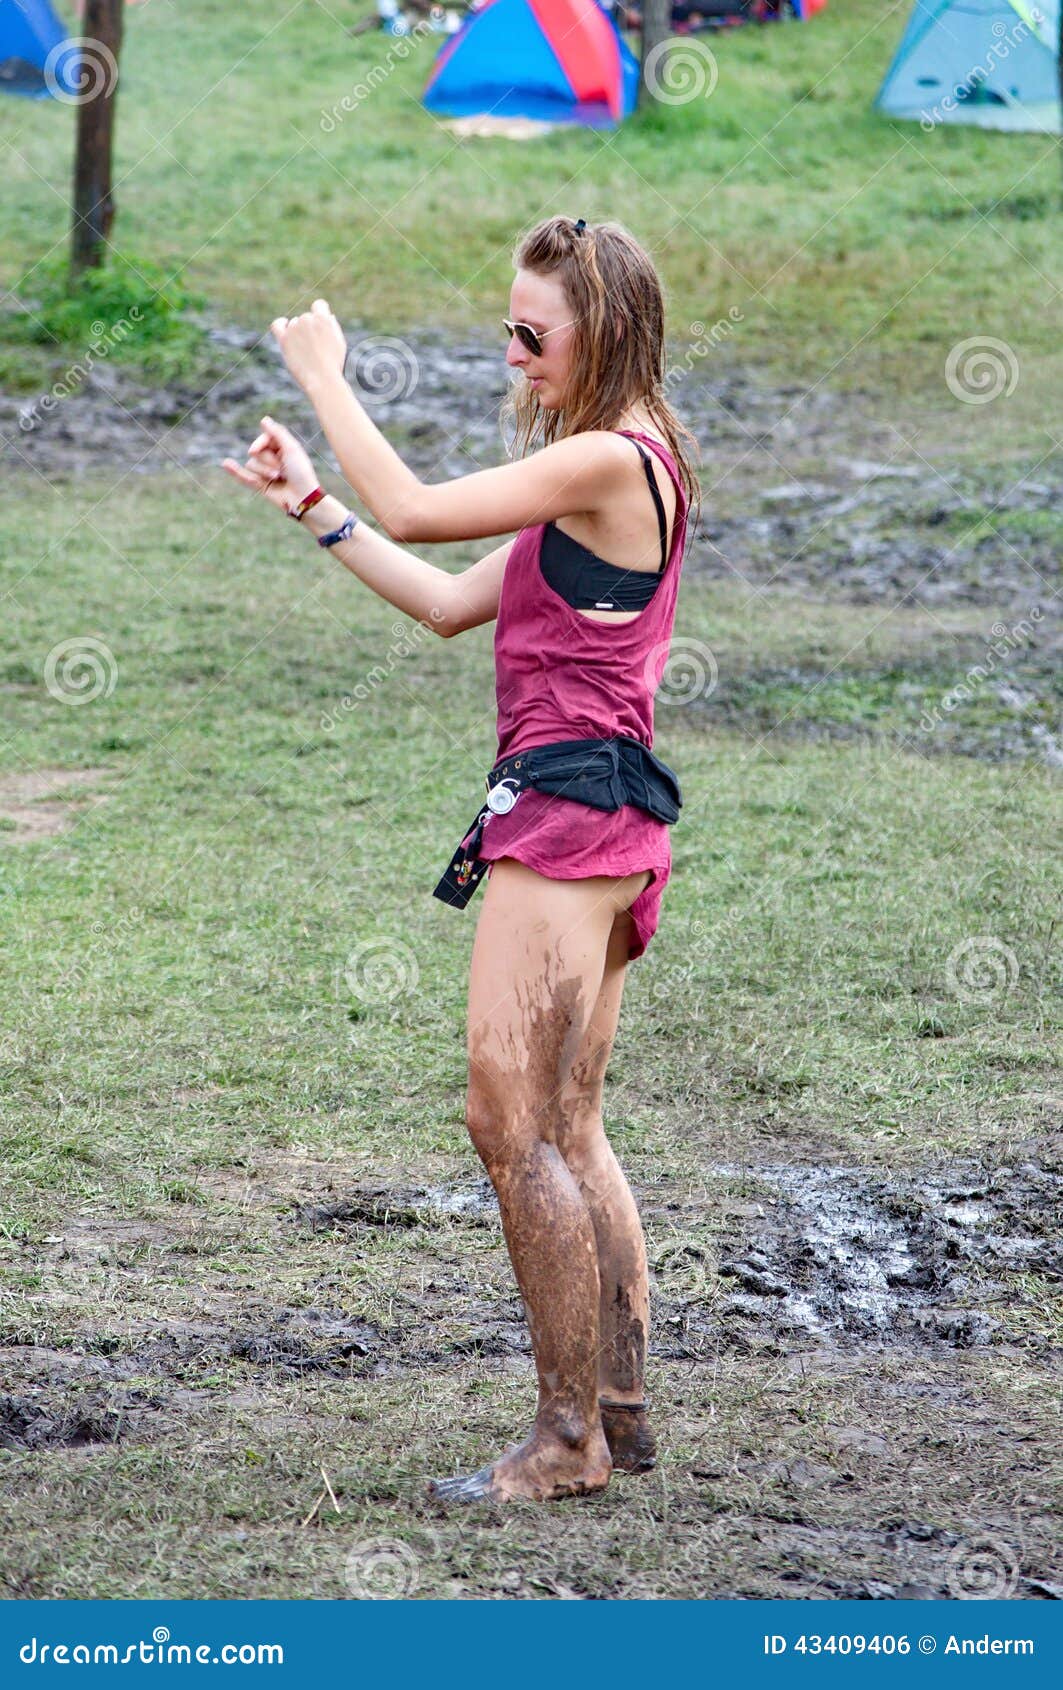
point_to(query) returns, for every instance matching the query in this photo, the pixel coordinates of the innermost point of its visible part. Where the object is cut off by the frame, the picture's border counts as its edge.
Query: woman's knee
(498, 1133)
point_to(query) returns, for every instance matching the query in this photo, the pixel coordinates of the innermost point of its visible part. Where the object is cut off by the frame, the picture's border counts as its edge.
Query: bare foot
(632, 1445)
(542, 1469)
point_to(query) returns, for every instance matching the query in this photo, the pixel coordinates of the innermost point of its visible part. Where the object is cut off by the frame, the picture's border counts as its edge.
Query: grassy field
(858, 251)
(246, 1251)
(233, 1045)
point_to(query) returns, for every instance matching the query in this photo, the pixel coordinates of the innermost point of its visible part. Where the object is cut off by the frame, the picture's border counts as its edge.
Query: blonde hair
(617, 301)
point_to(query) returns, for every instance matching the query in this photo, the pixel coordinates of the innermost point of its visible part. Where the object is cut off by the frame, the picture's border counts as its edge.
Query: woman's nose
(516, 354)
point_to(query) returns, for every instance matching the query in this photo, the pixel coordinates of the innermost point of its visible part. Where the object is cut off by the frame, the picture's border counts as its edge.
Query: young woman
(584, 598)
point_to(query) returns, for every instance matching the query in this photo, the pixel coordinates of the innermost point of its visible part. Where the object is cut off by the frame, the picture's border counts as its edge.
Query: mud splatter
(405, 1206)
(26, 1423)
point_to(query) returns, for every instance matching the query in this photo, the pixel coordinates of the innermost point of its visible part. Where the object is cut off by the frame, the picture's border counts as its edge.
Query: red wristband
(308, 503)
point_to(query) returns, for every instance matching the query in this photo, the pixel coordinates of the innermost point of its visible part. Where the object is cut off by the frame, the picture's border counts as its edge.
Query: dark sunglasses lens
(527, 337)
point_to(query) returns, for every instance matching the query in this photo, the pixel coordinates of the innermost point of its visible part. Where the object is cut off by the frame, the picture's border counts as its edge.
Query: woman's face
(540, 301)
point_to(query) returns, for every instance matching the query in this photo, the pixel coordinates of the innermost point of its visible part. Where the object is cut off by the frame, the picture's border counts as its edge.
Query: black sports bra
(585, 581)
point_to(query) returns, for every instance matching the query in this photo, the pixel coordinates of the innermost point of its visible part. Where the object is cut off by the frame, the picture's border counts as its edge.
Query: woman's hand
(313, 345)
(277, 466)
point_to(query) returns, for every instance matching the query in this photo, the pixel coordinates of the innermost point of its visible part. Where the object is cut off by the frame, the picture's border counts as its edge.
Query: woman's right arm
(279, 468)
(448, 604)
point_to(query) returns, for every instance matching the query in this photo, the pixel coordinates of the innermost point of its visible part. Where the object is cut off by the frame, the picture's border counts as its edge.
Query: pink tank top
(562, 675)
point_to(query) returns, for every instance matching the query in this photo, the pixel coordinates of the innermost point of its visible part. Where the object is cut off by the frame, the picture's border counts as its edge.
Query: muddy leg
(538, 961)
(622, 1268)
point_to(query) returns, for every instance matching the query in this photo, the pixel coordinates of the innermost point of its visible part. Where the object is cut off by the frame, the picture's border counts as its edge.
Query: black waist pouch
(602, 773)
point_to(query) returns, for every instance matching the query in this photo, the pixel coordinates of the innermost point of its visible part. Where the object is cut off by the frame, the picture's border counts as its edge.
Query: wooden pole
(656, 28)
(98, 85)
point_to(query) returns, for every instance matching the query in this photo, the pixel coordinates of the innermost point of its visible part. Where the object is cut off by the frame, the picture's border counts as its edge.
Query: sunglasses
(532, 339)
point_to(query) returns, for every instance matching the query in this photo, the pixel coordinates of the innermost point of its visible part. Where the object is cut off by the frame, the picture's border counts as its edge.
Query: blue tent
(29, 31)
(989, 62)
(557, 60)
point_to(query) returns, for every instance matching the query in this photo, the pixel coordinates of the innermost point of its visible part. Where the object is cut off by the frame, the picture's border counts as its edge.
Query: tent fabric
(559, 61)
(987, 62)
(29, 31)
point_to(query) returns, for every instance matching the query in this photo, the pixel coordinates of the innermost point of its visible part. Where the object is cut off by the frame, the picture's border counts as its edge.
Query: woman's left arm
(577, 474)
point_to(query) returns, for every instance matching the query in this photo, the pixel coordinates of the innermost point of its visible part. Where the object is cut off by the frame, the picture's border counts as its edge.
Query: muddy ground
(810, 494)
(853, 1367)
(836, 1358)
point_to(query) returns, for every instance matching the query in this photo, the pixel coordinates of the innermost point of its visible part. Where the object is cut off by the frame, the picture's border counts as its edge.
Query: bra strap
(662, 520)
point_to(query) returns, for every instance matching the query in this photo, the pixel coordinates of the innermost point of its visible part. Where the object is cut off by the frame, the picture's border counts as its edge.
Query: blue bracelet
(344, 533)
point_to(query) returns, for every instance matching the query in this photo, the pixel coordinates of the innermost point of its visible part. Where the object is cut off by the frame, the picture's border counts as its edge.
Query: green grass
(858, 250)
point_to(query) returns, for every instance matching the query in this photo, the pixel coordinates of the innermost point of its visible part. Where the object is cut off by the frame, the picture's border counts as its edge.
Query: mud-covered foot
(632, 1445)
(542, 1469)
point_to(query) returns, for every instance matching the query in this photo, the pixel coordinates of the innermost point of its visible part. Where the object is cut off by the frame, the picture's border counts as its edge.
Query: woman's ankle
(571, 1429)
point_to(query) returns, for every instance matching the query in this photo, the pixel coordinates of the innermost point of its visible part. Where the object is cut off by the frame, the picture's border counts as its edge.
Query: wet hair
(617, 301)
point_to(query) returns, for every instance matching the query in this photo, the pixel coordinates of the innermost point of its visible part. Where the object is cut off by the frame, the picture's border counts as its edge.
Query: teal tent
(989, 62)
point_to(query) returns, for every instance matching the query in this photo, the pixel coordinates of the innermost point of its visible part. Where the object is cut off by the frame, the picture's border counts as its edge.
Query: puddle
(847, 1254)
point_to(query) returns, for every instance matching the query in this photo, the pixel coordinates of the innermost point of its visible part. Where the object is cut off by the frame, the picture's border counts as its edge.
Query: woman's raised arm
(576, 474)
